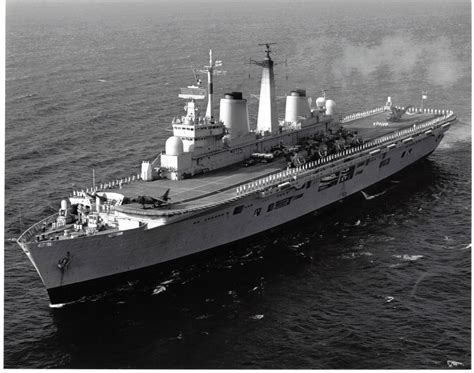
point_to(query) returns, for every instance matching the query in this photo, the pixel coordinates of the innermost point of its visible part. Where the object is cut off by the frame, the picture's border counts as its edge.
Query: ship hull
(81, 290)
(94, 262)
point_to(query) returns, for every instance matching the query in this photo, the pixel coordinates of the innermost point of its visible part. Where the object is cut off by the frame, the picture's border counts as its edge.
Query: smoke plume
(401, 55)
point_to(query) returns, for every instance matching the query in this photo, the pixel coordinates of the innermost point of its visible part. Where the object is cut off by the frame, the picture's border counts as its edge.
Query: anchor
(64, 262)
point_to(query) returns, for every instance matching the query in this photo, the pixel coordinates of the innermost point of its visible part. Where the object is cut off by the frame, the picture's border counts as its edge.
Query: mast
(93, 179)
(424, 96)
(210, 70)
(267, 110)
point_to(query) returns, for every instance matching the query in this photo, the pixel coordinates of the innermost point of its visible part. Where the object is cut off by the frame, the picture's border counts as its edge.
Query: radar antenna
(267, 51)
(196, 77)
(266, 62)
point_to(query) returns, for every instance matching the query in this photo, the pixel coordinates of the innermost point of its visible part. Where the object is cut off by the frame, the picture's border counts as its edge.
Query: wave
(459, 132)
(410, 258)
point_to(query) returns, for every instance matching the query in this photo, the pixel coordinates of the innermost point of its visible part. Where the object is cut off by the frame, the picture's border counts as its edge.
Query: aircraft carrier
(217, 181)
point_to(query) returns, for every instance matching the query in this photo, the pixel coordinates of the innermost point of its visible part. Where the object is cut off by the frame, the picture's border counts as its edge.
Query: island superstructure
(217, 181)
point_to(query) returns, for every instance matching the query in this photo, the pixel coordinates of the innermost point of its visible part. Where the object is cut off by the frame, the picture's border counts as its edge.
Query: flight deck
(219, 185)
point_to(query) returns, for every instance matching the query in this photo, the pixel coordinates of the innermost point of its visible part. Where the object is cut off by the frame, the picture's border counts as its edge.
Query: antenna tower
(211, 70)
(267, 111)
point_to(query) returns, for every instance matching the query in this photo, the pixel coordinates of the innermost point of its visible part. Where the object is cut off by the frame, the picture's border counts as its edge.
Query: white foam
(407, 257)
(411, 257)
(203, 317)
(460, 132)
(298, 245)
(159, 289)
(454, 364)
(167, 282)
(368, 196)
(355, 255)
(57, 305)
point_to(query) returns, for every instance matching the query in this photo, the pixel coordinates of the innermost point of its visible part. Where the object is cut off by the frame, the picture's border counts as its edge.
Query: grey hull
(107, 255)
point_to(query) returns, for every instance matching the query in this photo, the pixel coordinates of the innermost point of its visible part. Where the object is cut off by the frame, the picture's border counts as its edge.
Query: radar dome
(320, 102)
(226, 140)
(330, 107)
(174, 146)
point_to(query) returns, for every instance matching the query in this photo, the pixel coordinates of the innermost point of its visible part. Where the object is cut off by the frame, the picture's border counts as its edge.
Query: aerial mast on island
(211, 70)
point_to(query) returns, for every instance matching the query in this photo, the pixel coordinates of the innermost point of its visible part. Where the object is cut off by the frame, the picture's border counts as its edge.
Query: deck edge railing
(26, 235)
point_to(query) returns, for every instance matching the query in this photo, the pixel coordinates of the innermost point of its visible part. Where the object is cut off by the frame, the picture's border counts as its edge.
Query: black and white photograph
(237, 184)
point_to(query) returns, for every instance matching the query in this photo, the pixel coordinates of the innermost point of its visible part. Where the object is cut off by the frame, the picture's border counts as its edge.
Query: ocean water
(380, 283)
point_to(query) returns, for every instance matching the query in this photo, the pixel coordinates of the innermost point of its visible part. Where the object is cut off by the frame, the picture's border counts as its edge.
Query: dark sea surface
(380, 283)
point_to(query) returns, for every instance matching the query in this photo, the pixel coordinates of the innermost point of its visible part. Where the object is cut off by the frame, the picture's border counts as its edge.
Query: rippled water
(380, 283)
